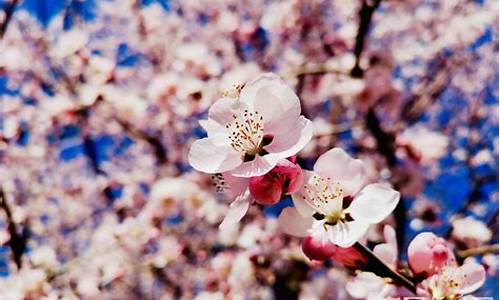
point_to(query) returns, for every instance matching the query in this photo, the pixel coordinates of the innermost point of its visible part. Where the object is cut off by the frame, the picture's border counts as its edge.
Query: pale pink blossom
(332, 207)
(428, 254)
(367, 285)
(471, 232)
(453, 282)
(249, 135)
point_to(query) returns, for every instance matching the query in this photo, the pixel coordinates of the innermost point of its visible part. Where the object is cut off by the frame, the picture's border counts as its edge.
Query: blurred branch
(365, 18)
(481, 250)
(10, 8)
(17, 241)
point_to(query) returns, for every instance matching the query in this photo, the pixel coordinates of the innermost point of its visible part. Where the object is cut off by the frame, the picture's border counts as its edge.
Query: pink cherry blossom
(388, 251)
(428, 254)
(323, 206)
(247, 136)
(453, 282)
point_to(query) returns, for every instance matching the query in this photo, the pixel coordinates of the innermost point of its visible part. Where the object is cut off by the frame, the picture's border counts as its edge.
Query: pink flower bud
(316, 250)
(285, 178)
(428, 254)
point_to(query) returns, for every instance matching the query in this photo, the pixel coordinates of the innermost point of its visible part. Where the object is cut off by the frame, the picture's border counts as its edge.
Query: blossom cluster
(353, 152)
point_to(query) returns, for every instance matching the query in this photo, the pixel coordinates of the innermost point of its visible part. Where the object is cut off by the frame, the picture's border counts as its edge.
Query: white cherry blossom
(330, 205)
(248, 135)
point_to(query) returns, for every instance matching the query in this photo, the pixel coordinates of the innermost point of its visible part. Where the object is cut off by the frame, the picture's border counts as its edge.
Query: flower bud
(316, 250)
(428, 254)
(285, 178)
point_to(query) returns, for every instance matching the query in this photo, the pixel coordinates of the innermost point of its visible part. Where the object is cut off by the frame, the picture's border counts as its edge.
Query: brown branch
(18, 240)
(9, 10)
(365, 18)
(481, 250)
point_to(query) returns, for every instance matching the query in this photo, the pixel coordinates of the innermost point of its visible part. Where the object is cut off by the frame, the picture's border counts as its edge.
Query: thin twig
(481, 250)
(18, 240)
(9, 10)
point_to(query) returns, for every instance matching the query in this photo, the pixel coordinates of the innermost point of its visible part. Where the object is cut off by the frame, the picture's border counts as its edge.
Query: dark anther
(318, 216)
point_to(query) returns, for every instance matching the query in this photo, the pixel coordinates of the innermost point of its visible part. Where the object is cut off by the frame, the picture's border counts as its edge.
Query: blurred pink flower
(249, 135)
(329, 205)
(428, 254)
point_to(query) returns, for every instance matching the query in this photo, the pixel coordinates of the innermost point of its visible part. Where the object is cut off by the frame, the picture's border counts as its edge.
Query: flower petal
(237, 210)
(215, 131)
(292, 223)
(206, 156)
(260, 165)
(236, 185)
(270, 96)
(303, 207)
(388, 251)
(341, 167)
(290, 141)
(473, 277)
(223, 110)
(346, 234)
(374, 203)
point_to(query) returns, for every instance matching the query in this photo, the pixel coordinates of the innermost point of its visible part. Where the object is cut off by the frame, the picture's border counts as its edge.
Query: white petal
(215, 131)
(346, 234)
(341, 167)
(290, 141)
(292, 223)
(260, 165)
(374, 203)
(206, 156)
(271, 96)
(223, 110)
(300, 202)
(472, 276)
(237, 210)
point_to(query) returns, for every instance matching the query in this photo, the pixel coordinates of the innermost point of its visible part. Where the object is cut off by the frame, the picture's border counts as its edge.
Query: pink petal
(223, 110)
(271, 97)
(388, 251)
(237, 210)
(236, 185)
(292, 223)
(473, 276)
(205, 156)
(315, 249)
(266, 189)
(341, 167)
(291, 140)
(374, 203)
(260, 165)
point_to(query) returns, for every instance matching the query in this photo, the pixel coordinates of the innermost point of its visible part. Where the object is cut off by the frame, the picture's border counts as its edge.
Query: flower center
(327, 197)
(447, 285)
(246, 132)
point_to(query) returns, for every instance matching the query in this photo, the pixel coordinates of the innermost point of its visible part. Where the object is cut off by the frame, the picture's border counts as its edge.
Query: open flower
(247, 136)
(453, 282)
(330, 206)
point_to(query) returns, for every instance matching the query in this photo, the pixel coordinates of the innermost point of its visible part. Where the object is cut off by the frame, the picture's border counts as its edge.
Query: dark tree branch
(365, 19)
(18, 240)
(9, 10)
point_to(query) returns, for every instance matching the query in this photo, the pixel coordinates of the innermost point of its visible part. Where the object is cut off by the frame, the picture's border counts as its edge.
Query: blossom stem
(378, 267)
(482, 250)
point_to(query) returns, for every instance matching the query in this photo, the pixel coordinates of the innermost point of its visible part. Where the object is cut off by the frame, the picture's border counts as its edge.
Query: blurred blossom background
(100, 101)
